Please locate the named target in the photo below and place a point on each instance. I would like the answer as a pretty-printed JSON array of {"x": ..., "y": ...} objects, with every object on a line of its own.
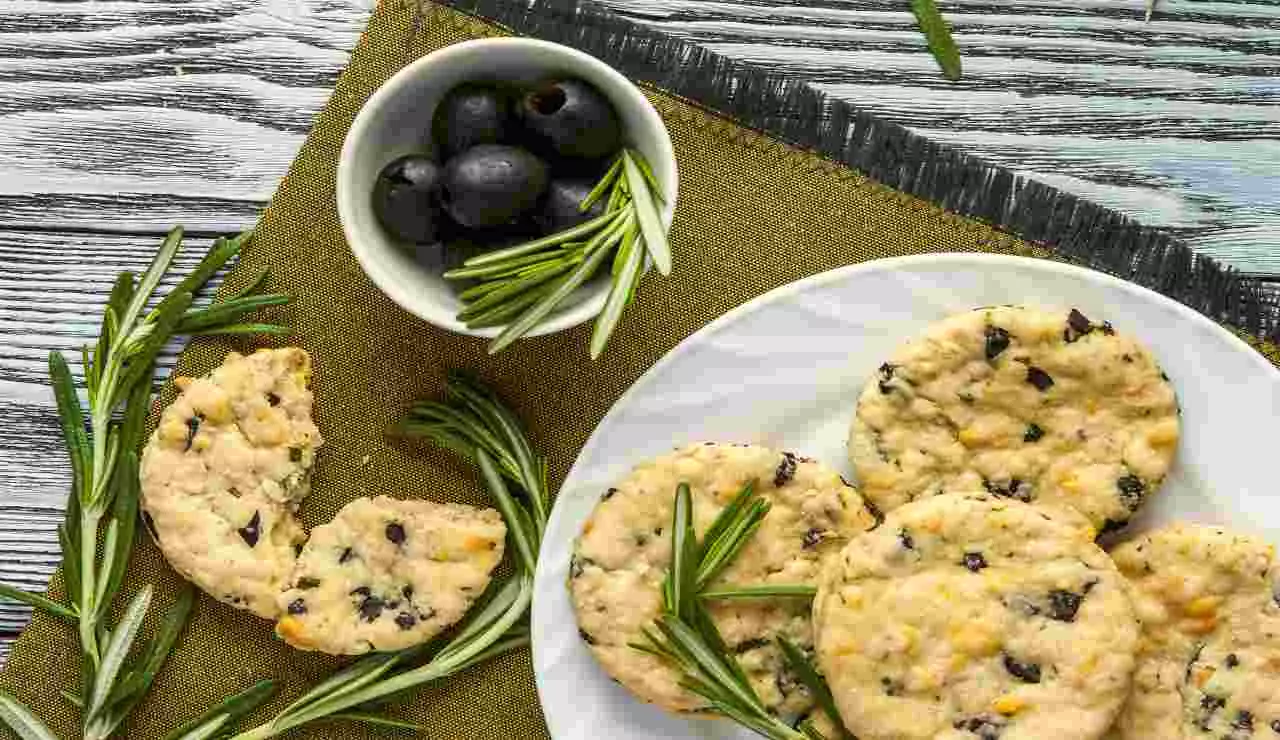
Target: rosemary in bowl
[{"x": 519, "y": 286}]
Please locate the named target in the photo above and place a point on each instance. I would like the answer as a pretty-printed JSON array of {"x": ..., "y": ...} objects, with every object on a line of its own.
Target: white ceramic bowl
[{"x": 396, "y": 121}]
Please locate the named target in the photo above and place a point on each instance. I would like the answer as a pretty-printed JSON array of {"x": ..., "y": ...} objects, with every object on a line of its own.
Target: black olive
[
  {"x": 297, "y": 606},
  {"x": 1033, "y": 434},
  {"x": 345, "y": 556},
  {"x": 559, "y": 209},
  {"x": 1243, "y": 720},
  {"x": 1016, "y": 488},
  {"x": 492, "y": 185},
  {"x": 1063, "y": 605},
  {"x": 371, "y": 608},
  {"x": 752, "y": 644},
  {"x": 405, "y": 198},
  {"x": 974, "y": 561},
  {"x": 273, "y": 399},
  {"x": 985, "y": 727},
  {"x": 1078, "y": 325},
  {"x": 150, "y": 524},
  {"x": 608, "y": 494},
  {"x": 1039, "y": 378},
  {"x": 786, "y": 470},
  {"x": 572, "y": 118},
  {"x": 1275, "y": 725},
  {"x": 250, "y": 532},
  {"x": 1232, "y": 661},
  {"x": 876, "y": 514},
  {"x": 407, "y": 592},
  {"x": 193, "y": 427},
  {"x": 905, "y": 539},
  {"x": 1132, "y": 489},
  {"x": 997, "y": 341},
  {"x": 470, "y": 115},
  {"x": 586, "y": 637},
  {"x": 1028, "y": 672},
  {"x": 295, "y": 454},
  {"x": 395, "y": 533},
  {"x": 1113, "y": 525},
  {"x": 405, "y": 620},
  {"x": 307, "y": 582},
  {"x": 886, "y": 375},
  {"x": 812, "y": 538}
]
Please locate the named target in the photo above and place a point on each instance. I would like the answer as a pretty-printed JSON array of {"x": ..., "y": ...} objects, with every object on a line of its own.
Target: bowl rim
[{"x": 378, "y": 272}]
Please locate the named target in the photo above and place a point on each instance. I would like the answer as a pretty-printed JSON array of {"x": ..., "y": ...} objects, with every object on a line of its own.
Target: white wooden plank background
[{"x": 119, "y": 118}]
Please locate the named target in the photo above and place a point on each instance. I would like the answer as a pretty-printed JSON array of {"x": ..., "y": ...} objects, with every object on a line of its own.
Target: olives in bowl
[{"x": 510, "y": 183}]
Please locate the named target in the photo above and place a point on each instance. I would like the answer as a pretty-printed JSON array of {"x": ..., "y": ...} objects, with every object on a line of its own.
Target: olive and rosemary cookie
[
  {"x": 387, "y": 574},
  {"x": 224, "y": 471},
  {"x": 1031, "y": 404},
  {"x": 622, "y": 555},
  {"x": 974, "y": 616},
  {"x": 1209, "y": 666}
]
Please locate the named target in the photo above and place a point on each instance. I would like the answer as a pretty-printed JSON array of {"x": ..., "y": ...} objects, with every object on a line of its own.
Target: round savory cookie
[
  {"x": 224, "y": 470},
  {"x": 387, "y": 574},
  {"x": 1209, "y": 665},
  {"x": 622, "y": 555},
  {"x": 972, "y": 616},
  {"x": 1032, "y": 404}
]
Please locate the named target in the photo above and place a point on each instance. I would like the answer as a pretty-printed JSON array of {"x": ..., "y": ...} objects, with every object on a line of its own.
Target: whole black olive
[
  {"x": 572, "y": 118},
  {"x": 492, "y": 185},
  {"x": 470, "y": 115},
  {"x": 404, "y": 198},
  {"x": 559, "y": 207}
]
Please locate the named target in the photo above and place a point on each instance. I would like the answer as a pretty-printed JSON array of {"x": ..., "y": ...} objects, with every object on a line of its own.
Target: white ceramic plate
[{"x": 785, "y": 370}]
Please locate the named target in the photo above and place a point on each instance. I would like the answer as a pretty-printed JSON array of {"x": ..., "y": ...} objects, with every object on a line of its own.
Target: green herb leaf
[
  {"x": 603, "y": 186},
  {"x": 116, "y": 650},
  {"x": 124, "y": 520},
  {"x": 43, "y": 603},
  {"x": 71, "y": 417},
  {"x": 524, "y": 539},
  {"x": 625, "y": 278},
  {"x": 70, "y": 564},
  {"x": 20, "y": 719},
  {"x": 530, "y": 318},
  {"x": 378, "y": 721},
  {"x": 937, "y": 34},
  {"x": 230, "y": 710},
  {"x": 646, "y": 211},
  {"x": 151, "y": 278},
  {"x": 135, "y": 686},
  {"x": 274, "y": 330},
  {"x": 580, "y": 231},
  {"x": 813, "y": 681}
]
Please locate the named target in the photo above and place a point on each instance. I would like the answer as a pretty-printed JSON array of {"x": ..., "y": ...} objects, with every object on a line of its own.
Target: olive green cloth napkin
[{"x": 753, "y": 214}]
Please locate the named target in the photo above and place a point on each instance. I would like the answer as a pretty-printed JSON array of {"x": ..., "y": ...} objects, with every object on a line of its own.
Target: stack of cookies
[{"x": 999, "y": 446}]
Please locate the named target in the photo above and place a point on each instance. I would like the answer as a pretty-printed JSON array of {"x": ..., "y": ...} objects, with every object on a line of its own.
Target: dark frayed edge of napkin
[{"x": 793, "y": 111}]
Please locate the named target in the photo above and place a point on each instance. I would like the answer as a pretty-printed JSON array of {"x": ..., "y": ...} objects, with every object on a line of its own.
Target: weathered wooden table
[{"x": 119, "y": 118}]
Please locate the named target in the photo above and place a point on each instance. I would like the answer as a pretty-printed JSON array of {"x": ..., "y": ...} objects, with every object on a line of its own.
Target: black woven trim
[{"x": 793, "y": 111}]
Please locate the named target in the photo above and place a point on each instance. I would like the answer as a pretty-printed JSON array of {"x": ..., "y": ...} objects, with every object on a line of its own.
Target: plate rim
[{"x": 965, "y": 259}]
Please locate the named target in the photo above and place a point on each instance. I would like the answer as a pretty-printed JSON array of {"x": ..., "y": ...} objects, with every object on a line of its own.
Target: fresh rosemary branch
[
  {"x": 521, "y": 285},
  {"x": 937, "y": 36},
  {"x": 686, "y": 636},
  {"x": 97, "y": 535},
  {"x": 473, "y": 423}
]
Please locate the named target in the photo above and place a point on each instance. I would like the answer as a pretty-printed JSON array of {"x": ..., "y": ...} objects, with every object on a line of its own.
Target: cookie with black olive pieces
[
  {"x": 1033, "y": 404},
  {"x": 622, "y": 555},
  {"x": 387, "y": 574},
  {"x": 1210, "y": 660},
  {"x": 971, "y": 616},
  {"x": 224, "y": 471}
]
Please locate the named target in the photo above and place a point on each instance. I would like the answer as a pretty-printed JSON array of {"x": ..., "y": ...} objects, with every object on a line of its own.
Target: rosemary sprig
[
  {"x": 522, "y": 285},
  {"x": 937, "y": 36},
  {"x": 98, "y": 532},
  {"x": 473, "y": 423},
  {"x": 686, "y": 636}
]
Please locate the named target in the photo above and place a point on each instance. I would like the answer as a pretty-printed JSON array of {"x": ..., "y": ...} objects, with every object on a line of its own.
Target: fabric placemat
[{"x": 754, "y": 213}]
